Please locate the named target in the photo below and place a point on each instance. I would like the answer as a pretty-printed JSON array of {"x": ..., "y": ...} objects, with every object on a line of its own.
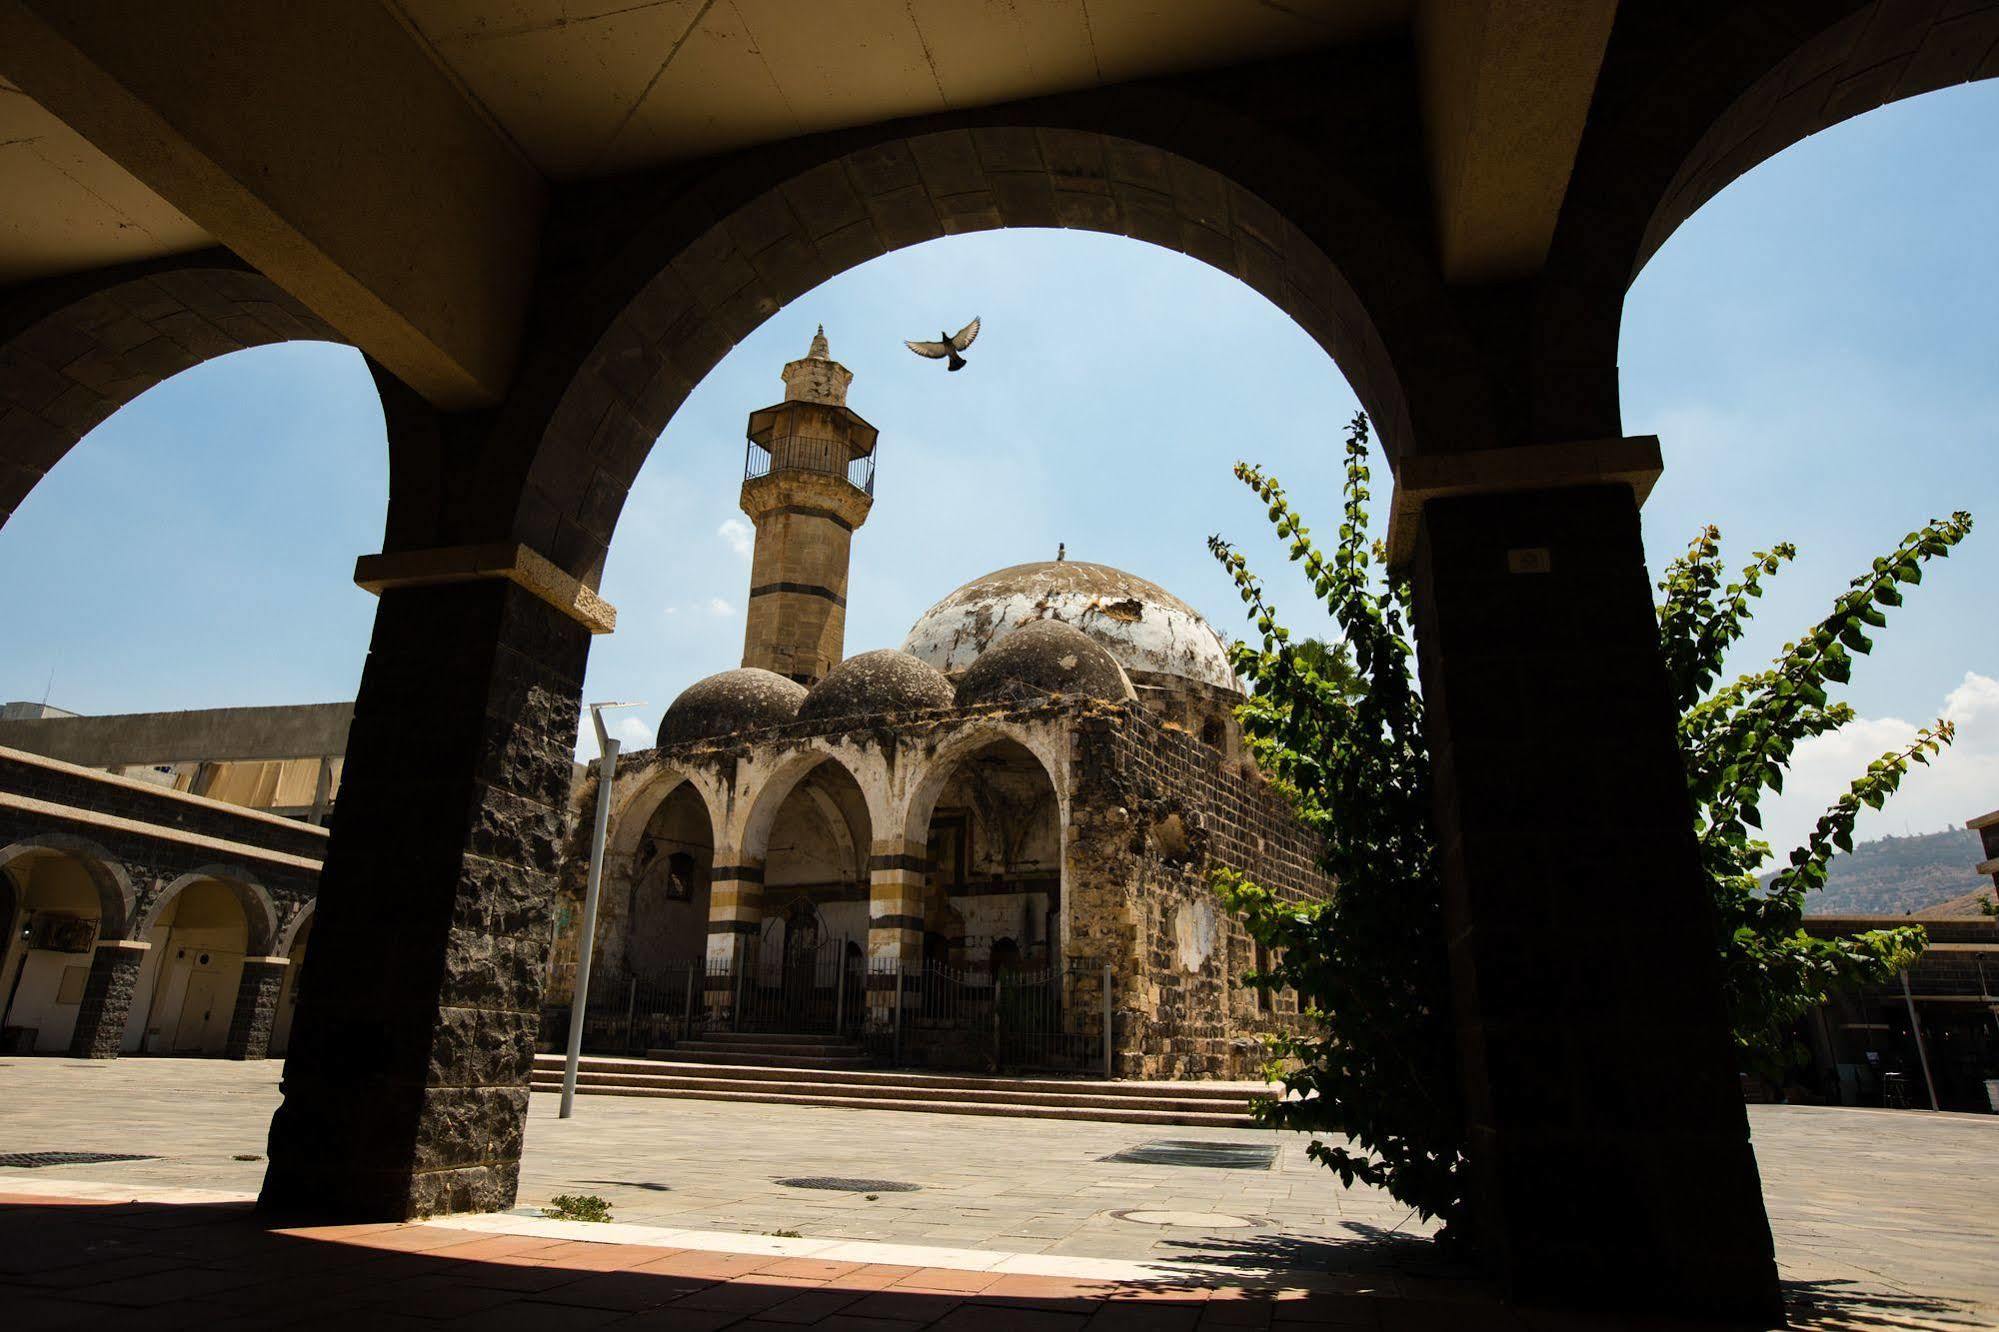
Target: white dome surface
[{"x": 1145, "y": 627}]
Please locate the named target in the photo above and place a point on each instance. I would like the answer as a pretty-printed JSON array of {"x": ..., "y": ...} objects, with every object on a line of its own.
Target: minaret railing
[{"x": 806, "y": 453}]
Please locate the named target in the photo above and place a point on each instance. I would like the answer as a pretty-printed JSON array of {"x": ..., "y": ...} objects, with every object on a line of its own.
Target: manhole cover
[
  {"x": 1193, "y": 1152},
  {"x": 32, "y": 1160},
  {"x": 840, "y": 1185},
  {"x": 1195, "y": 1220}
]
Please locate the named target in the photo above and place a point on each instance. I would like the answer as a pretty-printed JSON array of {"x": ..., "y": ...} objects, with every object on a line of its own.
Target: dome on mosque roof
[
  {"x": 874, "y": 682},
  {"x": 739, "y": 700},
  {"x": 1146, "y": 628},
  {"x": 1047, "y": 656}
]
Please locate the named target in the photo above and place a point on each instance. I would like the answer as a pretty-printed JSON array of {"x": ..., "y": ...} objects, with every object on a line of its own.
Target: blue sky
[{"x": 1816, "y": 350}]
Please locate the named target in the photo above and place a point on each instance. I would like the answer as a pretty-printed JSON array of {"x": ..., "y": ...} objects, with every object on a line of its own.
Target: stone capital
[
  {"x": 273, "y": 961},
  {"x": 520, "y": 565},
  {"x": 125, "y": 945},
  {"x": 1632, "y": 461}
]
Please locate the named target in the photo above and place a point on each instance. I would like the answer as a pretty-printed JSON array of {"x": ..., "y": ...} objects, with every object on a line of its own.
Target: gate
[
  {"x": 810, "y": 988},
  {"x": 935, "y": 1015}
]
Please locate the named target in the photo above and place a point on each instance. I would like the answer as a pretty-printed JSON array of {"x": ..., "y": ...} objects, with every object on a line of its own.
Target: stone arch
[
  {"x": 75, "y": 350},
  {"x": 1687, "y": 101},
  {"x": 928, "y": 778},
  {"x": 260, "y": 911},
  {"x": 721, "y": 258},
  {"x": 632, "y": 810},
  {"x": 299, "y": 920},
  {"x": 1880, "y": 53},
  {"x": 751, "y": 835},
  {"x": 116, "y": 897}
]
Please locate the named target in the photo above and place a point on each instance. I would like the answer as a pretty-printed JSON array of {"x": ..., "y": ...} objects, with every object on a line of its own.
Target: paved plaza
[{"x": 1883, "y": 1218}]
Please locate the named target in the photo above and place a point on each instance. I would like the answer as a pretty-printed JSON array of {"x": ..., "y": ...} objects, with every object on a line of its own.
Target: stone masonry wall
[{"x": 1153, "y": 811}]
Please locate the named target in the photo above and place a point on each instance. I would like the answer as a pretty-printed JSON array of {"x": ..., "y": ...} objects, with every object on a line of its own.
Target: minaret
[{"x": 808, "y": 482}]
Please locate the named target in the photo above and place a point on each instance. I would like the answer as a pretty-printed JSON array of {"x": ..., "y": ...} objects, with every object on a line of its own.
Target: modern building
[{"x": 960, "y": 852}]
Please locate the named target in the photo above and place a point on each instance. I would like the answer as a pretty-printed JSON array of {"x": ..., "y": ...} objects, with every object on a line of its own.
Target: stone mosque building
[{"x": 1029, "y": 791}]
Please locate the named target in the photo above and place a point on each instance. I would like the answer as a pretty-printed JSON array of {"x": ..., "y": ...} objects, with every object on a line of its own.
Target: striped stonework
[
  {"x": 735, "y": 909},
  {"x": 896, "y": 893}
]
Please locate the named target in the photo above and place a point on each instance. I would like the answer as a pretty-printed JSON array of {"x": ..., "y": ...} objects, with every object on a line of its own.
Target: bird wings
[{"x": 938, "y": 350}]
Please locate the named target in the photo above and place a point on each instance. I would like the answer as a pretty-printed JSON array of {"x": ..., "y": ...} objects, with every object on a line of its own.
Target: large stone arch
[
  {"x": 75, "y": 350},
  {"x": 116, "y": 898},
  {"x": 928, "y": 777},
  {"x": 1689, "y": 99},
  {"x": 288, "y": 936},
  {"x": 719, "y": 259},
  {"x": 759, "y": 795},
  {"x": 260, "y": 911},
  {"x": 632, "y": 807}
]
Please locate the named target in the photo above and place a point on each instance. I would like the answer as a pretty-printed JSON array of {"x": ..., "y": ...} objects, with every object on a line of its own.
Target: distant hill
[{"x": 1897, "y": 875}]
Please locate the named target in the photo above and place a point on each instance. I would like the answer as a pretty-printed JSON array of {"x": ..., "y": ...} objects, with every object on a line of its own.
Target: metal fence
[
  {"x": 806, "y": 453},
  {"x": 905, "y": 1014}
]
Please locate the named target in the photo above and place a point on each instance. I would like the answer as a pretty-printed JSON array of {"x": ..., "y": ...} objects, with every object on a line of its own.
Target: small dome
[
  {"x": 1046, "y": 656},
  {"x": 1150, "y": 631},
  {"x": 880, "y": 681},
  {"x": 739, "y": 700}
]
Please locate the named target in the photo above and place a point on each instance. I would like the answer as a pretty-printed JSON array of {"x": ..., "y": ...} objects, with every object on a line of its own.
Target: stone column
[
  {"x": 735, "y": 915},
  {"x": 896, "y": 888},
  {"x": 256, "y": 1009},
  {"x": 1609, "y": 1146},
  {"x": 405, "y": 1088},
  {"x": 107, "y": 998}
]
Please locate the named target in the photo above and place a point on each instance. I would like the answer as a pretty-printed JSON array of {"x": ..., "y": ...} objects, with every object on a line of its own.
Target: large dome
[{"x": 1146, "y": 628}]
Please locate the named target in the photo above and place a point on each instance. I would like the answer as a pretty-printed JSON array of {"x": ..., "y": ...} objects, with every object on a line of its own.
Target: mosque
[{"x": 994, "y": 838}]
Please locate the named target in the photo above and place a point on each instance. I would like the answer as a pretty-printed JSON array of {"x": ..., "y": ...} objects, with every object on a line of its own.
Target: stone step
[
  {"x": 777, "y": 1038},
  {"x": 699, "y": 1077},
  {"x": 735, "y": 1058},
  {"x": 751, "y": 1051},
  {"x": 762, "y": 1095},
  {"x": 875, "y": 1080}
]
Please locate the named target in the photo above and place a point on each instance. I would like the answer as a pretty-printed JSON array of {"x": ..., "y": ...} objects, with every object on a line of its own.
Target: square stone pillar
[
  {"x": 256, "y": 1009},
  {"x": 896, "y": 890},
  {"x": 1609, "y": 1148},
  {"x": 107, "y": 998},
  {"x": 406, "y": 1083},
  {"x": 735, "y": 916}
]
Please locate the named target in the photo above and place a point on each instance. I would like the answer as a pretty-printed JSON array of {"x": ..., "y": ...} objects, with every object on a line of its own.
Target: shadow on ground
[{"x": 76, "y": 1265}]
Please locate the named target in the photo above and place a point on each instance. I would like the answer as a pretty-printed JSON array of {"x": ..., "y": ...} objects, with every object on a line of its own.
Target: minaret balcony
[{"x": 805, "y": 453}]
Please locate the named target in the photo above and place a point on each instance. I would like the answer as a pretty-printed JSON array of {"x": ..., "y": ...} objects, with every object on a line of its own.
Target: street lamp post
[{"x": 607, "y": 771}]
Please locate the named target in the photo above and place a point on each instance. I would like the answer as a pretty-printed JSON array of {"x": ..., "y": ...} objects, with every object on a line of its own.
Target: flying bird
[{"x": 948, "y": 345}]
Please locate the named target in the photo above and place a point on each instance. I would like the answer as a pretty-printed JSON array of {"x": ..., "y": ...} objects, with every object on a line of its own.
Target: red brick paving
[{"x": 71, "y": 1263}]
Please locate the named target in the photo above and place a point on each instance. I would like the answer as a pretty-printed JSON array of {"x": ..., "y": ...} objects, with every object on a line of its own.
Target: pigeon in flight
[{"x": 950, "y": 345}]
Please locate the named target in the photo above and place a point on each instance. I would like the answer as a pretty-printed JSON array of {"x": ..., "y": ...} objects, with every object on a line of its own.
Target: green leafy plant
[
  {"x": 1339, "y": 729},
  {"x": 577, "y": 1207},
  {"x": 1341, "y": 733},
  {"x": 1736, "y": 740}
]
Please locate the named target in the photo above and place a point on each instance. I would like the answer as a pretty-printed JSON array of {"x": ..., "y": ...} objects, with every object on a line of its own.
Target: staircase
[{"x": 808, "y": 1070}]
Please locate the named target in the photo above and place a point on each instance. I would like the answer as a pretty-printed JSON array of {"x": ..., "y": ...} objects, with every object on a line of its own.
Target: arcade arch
[
  {"x": 55, "y": 907},
  {"x": 201, "y": 927}
]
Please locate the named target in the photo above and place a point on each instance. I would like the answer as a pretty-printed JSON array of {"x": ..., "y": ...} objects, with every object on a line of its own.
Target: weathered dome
[
  {"x": 1146, "y": 628},
  {"x": 1045, "y": 655},
  {"x": 738, "y": 700},
  {"x": 880, "y": 681}
]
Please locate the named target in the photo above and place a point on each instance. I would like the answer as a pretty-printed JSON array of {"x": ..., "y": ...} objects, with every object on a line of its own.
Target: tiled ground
[{"x": 1882, "y": 1218}]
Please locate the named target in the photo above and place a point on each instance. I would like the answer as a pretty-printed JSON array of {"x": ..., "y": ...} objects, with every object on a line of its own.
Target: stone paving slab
[{"x": 1894, "y": 1213}]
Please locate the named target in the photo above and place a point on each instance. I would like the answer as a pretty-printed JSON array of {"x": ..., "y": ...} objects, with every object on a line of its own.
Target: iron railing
[
  {"x": 807, "y": 453},
  {"x": 905, "y": 1014}
]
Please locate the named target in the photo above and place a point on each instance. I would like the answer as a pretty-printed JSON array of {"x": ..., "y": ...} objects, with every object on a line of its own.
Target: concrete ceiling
[
  {"x": 593, "y": 86},
  {"x": 70, "y": 207}
]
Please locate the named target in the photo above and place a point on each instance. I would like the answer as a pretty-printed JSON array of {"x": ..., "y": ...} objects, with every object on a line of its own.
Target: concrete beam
[
  {"x": 1506, "y": 90},
  {"x": 322, "y": 143},
  {"x": 210, "y": 735}
]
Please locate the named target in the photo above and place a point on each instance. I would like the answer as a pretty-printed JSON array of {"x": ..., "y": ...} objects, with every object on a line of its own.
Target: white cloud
[
  {"x": 719, "y": 607},
  {"x": 633, "y": 733},
  {"x": 738, "y": 536},
  {"x": 1961, "y": 783}
]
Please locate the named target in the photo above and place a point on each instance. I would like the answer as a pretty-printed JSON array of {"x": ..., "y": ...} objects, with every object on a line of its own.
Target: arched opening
[
  {"x": 200, "y": 933},
  {"x": 291, "y": 987},
  {"x": 993, "y": 842},
  {"x": 53, "y": 910},
  {"x": 667, "y": 889},
  {"x": 797, "y": 967}
]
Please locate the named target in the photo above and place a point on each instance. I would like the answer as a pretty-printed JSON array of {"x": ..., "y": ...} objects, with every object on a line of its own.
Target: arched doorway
[
  {"x": 666, "y": 894},
  {"x": 815, "y": 905},
  {"x": 994, "y": 852},
  {"x": 200, "y": 930},
  {"x": 292, "y": 985},
  {"x": 53, "y": 909}
]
